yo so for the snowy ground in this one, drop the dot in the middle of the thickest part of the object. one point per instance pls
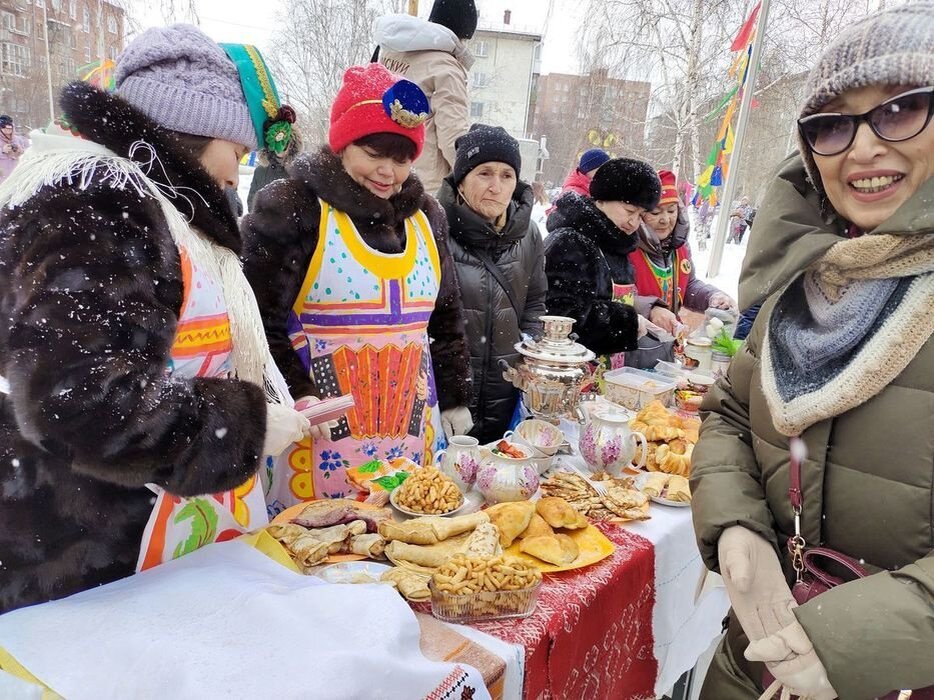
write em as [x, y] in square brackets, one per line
[730, 265]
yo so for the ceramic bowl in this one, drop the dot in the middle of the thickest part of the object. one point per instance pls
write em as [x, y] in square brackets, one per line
[544, 437]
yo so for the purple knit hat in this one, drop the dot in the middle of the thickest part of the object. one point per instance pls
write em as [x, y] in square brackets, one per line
[180, 78]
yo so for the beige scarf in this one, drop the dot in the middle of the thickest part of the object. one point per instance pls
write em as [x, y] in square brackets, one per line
[798, 402]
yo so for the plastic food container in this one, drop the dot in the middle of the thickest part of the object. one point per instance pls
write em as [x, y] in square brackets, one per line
[485, 605]
[636, 389]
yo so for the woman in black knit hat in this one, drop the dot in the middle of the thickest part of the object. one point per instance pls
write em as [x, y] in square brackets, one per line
[500, 264]
[587, 263]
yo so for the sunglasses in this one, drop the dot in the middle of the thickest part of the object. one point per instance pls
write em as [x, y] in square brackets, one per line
[898, 119]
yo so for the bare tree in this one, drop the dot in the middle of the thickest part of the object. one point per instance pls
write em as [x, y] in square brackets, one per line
[321, 39]
[679, 46]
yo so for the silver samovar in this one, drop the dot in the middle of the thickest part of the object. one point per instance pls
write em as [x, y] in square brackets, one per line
[552, 371]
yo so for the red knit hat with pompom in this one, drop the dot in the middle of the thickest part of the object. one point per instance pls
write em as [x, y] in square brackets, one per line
[374, 101]
[669, 188]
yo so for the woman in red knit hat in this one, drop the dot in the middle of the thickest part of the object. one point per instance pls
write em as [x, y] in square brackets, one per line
[663, 264]
[350, 265]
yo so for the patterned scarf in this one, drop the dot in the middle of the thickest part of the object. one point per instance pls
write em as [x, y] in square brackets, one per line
[846, 328]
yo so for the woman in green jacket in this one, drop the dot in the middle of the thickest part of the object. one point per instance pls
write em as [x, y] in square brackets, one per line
[839, 372]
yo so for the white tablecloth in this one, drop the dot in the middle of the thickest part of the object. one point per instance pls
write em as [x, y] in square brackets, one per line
[227, 621]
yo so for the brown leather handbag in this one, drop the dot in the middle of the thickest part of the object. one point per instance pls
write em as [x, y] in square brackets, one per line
[812, 577]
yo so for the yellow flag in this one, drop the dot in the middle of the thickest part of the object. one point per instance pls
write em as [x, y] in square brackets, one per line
[728, 145]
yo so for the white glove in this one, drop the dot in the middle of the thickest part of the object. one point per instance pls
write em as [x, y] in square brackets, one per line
[320, 431]
[664, 318]
[791, 658]
[456, 421]
[720, 300]
[643, 327]
[284, 426]
[755, 583]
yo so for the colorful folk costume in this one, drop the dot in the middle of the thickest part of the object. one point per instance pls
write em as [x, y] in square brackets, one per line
[345, 316]
[135, 354]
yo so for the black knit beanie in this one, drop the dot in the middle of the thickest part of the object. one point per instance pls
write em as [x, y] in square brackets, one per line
[460, 16]
[627, 180]
[485, 144]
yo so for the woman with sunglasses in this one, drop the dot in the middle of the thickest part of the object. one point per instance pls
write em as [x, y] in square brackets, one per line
[820, 434]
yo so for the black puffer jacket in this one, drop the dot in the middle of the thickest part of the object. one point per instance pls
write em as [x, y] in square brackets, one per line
[493, 325]
[90, 293]
[585, 254]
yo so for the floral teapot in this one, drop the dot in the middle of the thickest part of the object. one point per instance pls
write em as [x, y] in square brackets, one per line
[608, 444]
[506, 473]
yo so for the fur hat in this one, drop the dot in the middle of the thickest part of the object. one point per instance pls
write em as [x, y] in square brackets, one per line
[460, 16]
[180, 78]
[627, 180]
[592, 159]
[894, 47]
[485, 144]
[374, 101]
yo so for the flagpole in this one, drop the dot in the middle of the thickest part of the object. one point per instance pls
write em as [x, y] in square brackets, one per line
[745, 107]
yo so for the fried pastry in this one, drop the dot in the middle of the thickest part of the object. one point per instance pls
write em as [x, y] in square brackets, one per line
[512, 519]
[672, 463]
[655, 484]
[413, 586]
[557, 512]
[483, 542]
[559, 550]
[627, 503]
[537, 527]
[431, 529]
[372, 545]
[678, 490]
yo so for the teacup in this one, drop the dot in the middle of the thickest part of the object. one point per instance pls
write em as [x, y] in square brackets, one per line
[544, 437]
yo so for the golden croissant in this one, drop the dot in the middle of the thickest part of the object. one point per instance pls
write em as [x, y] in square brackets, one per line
[673, 463]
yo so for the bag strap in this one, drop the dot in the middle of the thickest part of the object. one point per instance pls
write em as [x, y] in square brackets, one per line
[498, 275]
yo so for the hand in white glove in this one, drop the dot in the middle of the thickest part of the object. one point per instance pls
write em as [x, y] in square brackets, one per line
[719, 300]
[284, 426]
[755, 583]
[664, 318]
[456, 421]
[321, 431]
[643, 327]
[791, 658]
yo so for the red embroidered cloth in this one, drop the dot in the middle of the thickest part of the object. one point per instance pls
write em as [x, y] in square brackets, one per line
[591, 633]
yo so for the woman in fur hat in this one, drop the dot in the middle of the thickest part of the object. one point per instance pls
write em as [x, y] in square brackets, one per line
[132, 345]
[820, 433]
[590, 277]
[351, 268]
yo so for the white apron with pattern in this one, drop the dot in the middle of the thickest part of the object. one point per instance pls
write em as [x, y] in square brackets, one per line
[360, 326]
[201, 348]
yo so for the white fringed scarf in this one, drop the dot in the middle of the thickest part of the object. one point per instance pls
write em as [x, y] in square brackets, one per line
[56, 157]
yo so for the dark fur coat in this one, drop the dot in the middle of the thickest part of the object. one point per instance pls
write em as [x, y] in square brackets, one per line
[281, 233]
[90, 292]
[584, 255]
